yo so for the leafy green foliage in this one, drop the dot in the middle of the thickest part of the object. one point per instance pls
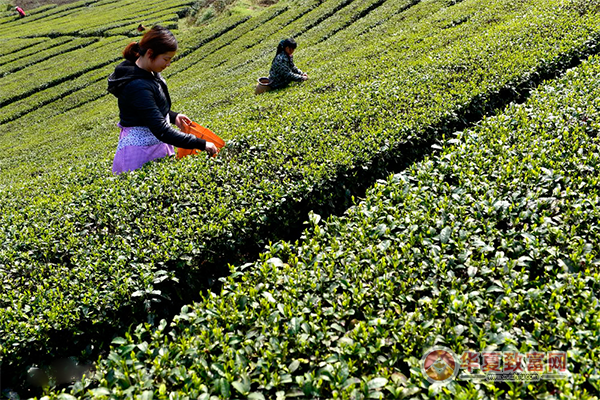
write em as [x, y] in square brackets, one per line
[19, 49]
[83, 249]
[73, 19]
[18, 86]
[489, 244]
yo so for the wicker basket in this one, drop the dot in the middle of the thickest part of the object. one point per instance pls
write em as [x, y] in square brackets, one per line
[262, 85]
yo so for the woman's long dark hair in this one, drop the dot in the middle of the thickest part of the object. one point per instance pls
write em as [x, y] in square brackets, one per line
[159, 39]
[290, 42]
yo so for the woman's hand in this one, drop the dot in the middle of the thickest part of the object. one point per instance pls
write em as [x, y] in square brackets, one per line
[211, 149]
[304, 77]
[182, 119]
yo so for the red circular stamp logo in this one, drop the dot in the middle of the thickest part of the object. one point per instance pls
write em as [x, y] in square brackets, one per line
[440, 365]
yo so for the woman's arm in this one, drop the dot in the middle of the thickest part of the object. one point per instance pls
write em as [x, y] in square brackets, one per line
[295, 69]
[142, 100]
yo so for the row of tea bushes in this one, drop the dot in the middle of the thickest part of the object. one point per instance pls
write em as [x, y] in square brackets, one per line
[159, 16]
[490, 244]
[60, 98]
[220, 35]
[342, 19]
[22, 47]
[18, 50]
[72, 93]
[53, 49]
[169, 19]
[260, 28]
[74, 63]
[194, 38]
[76, 21]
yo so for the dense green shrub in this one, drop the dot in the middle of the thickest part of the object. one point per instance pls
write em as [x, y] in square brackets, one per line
[73, 19]
[489, 244]
[76, 62]
[81, 249]
[16, 49]
[54, 48]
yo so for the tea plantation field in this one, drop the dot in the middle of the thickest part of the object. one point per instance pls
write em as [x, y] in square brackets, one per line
[489, 243]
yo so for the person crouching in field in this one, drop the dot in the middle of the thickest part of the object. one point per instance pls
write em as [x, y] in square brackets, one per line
[283, 71]
[145, 106]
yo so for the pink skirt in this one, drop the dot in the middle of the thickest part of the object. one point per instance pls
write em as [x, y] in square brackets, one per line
[137, 146]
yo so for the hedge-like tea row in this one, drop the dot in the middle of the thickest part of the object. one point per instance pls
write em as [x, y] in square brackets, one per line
[341, 20]
[233, 28]
[492, 244]
[257, 29]
[60, 98]
[167, 18]
[146, 236]
[192, 39]
[73, 64]
[76, 21]
[54, 48]
[16, 49]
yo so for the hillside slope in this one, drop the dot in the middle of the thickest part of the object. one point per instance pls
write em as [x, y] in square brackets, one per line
[85, 254]
[489, 247]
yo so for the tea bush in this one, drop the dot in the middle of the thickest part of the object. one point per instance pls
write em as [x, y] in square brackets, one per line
[489, 244]
[18, 86]
[87, 253]
[21, 49]
[73, 19]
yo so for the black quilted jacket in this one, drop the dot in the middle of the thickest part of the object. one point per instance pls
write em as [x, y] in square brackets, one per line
[144, 101]
[283, 71]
